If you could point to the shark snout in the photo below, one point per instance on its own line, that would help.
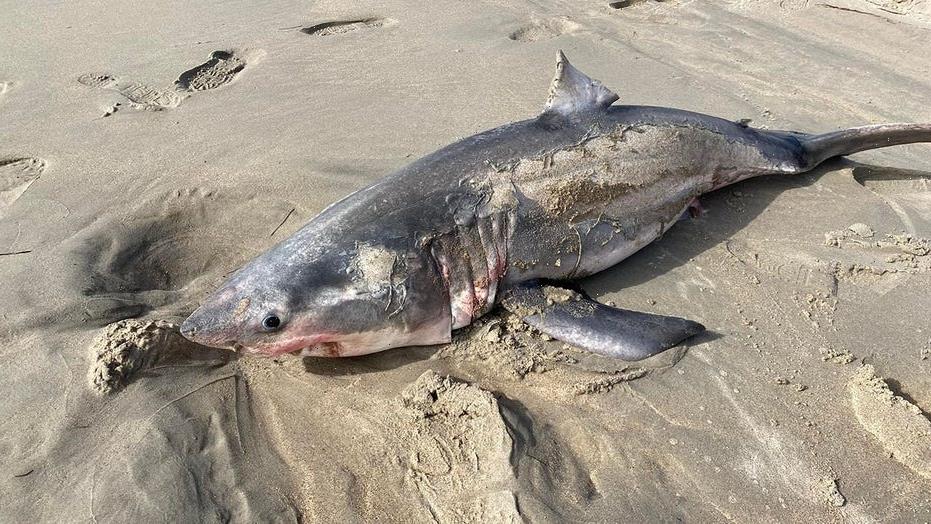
(201, 329)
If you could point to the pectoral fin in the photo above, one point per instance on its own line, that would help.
(576, 319)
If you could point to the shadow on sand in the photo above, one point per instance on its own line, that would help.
(373, 363)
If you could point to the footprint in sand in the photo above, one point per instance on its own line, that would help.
(458, 451)
(467, 452)
(871, 258)
(16, 175)
(543, 29)
(338, 27)
(219, 70)
(902, 429)
(624, 3)
(144, 96)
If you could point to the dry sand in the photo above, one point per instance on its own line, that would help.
(148, 149)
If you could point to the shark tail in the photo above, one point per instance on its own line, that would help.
(818, 148)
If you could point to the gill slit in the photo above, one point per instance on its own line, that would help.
(472, 260)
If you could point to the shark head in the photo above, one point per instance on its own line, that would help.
(346, 300)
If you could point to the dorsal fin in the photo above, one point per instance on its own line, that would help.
(573, 91)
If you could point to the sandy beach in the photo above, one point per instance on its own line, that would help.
(148, 150)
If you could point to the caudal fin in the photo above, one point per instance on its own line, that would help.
(818, 148)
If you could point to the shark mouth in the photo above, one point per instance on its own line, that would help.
(322, 349)
(315, 345)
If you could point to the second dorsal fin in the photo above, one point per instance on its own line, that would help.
(573, 91)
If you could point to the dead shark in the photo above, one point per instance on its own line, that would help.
(498, 218)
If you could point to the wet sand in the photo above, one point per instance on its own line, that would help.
(149, 150)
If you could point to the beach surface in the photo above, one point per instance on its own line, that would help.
(147, 150)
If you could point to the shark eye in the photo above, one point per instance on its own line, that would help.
(271, 322)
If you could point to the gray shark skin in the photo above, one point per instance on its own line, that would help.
(435, 245)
